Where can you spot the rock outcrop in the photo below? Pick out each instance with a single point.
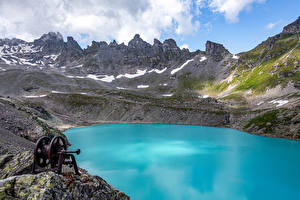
(216, 50)
(16, 159)
(292, 28)
(49, 50)
(49, 185)
(120, 58)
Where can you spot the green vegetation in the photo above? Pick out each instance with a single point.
(236, 97)
(257, 80)
(187, 82)
(264, 121)
(219, 87)
(272, 63)
(77, 100)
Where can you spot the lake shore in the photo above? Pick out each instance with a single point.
(101, 122)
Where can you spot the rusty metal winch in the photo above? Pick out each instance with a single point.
(53, 153)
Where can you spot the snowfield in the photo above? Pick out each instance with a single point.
(279, 102)
(167, 95)
(137, 74)
(36, 96)
(142, 86)
(106, 78)
(181, 67)
(235, 56)
(157, 70)
(203, 58)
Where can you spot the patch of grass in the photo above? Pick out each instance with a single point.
(264, 67)
(262, 121)
(259, 82)
(77, 100)
(220, 87)
(236, 97)
(296, 76)
(189, 82)
(273, 47)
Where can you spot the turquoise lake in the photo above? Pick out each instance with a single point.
(162, 162)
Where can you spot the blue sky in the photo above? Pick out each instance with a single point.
(238, 24)
(253, 27)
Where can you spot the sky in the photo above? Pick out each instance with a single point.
(239, 25)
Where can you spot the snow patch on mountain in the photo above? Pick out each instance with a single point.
(235, 56)
(77, 66)
(137, 74)
(279, 102)
(181, 67)
(57, 92)
(142, 86)
(52, 56)
(157, 70)
(203, 96)
(203, 58)
(167, 95)
(36, 96)
(106, 78)
(121, 88)
(259, 103)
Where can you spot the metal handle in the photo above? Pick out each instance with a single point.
(67, 151)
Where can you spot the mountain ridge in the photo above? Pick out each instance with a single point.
(151, 73)
(50, 85)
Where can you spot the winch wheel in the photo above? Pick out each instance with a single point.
(57, 144)
(40, 154)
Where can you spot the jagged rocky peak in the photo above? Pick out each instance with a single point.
(72, 44)
(103, 44)
(113, 44)
(138, 42)
(218, 51)
(51, 42)
(11, 42)
(292, 28)
(70, 39)
(157, 46)
(51, 36)
(156, 42)
(170, 43)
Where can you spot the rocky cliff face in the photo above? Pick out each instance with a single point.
(216, 50)
(48, 51)
(119, 58)
(49, 185)
(50, 84)
(292, 28)
(16, 159)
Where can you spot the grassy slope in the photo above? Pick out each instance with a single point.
(271, 63)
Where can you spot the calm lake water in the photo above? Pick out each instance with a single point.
(163, 162)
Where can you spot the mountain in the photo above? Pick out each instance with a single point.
(253, 79)
(49, 85)
(272, 64)
(113, 65)
(48, 51)
(292, 28)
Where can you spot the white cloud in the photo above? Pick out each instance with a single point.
(184, 46)
(96, 20)
(231, 8)
(271, 25)
(199, 5)
(88, 20)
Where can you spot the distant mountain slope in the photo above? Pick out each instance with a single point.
(135, 66)
(273, 63)
(160, 83)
